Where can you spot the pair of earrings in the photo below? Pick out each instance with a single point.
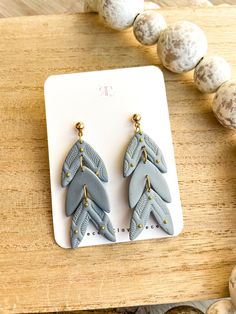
(84, 173)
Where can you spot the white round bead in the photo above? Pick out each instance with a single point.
(119, 14)
(148, 27)
(232, 286)
(211, 73)
(224, 104)
(181, 46)
(222, 307)
(93, 5)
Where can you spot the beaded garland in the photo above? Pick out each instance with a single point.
(181, 47)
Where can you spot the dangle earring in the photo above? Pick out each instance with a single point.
(148, 189)
(83, 172)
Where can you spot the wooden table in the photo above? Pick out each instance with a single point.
(35, 274)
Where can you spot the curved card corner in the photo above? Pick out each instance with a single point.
(157, 70)
(58, 243)
(179, 230)
(47, 82)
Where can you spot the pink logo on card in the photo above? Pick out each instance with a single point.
(106, 91)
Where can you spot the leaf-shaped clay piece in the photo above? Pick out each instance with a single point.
(155, 154)
(79, 225)
(90, 158)
(134, 153)
(94, 187)
(162, 214)
(84, 214)
(140, 216)
(150, 202)
(138, 182)
(101, 221)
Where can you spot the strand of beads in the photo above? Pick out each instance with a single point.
(181, 47)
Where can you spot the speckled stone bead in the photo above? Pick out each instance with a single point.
(221, 307)
(181, 46)
(232, 286)
(119, 14)
(184, 309)
(148, 27)
(224, 104)
(211, 73)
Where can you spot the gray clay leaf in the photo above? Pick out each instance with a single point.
(161, 213)
(134, 153)
(132, 156)
(140, 217)
(155, 154)
(101, 221)
(95, 189)
(79, 225)
(82, 216)
(138, 182)
(90, 158)
(149, 203)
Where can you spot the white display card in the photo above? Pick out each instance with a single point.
(105, 102)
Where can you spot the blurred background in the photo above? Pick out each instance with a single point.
(9, 8)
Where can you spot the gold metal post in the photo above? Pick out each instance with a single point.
(136, 119)
(80, 127)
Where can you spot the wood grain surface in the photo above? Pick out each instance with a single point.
(37, 275)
